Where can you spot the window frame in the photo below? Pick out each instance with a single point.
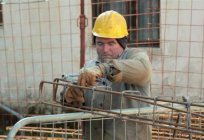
(133, 15)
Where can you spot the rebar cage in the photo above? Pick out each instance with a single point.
(169, 118)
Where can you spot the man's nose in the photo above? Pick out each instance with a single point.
(105, 47)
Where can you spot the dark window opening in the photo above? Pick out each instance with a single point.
(142, 16)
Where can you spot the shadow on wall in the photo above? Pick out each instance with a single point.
(6, 119)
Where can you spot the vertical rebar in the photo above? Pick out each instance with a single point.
(82, 35)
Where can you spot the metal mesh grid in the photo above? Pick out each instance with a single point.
(170, 119)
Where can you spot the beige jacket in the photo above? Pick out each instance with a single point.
(135, 74)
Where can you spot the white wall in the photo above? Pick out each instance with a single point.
(38, 41)
(179, 63)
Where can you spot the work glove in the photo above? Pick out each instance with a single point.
(74, 97)
(88, 76)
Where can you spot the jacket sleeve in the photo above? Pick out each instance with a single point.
(136, 69)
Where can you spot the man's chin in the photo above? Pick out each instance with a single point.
(107, 60)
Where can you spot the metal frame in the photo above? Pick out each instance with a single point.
(157, 105)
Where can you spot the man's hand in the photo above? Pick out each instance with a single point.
(88, 76)
(74, 97)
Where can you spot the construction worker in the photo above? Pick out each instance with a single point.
(125, 69)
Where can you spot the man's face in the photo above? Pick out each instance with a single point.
(108, 48)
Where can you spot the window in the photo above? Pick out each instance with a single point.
(142, 16)
(1, 15)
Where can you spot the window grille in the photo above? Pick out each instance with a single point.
(143, 19)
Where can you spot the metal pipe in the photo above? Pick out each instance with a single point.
(47, 118)
(82, 35)
(19, 116)
(84, 115)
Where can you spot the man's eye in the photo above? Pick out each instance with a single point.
(111, 43)
(99, 43)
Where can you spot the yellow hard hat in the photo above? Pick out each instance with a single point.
(110, 24)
